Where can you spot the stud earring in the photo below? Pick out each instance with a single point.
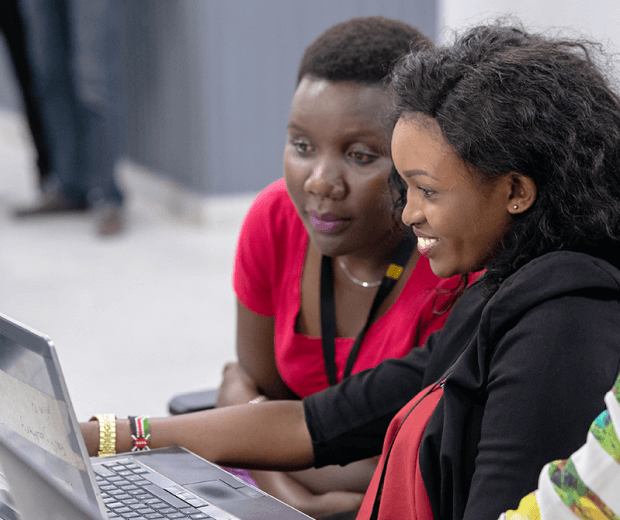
(515, 207)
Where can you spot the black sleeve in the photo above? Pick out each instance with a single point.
(547, 378)
(347, 422)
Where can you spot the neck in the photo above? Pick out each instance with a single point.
(370, 265)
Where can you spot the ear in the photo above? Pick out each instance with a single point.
(522, 194)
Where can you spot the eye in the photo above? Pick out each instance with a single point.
(301, 147)
(363, 157)
(361, 154)
(426, 193)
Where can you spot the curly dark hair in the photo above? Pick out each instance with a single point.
(361, 49)
(510, 101)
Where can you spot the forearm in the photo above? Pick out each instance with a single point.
(348, 422)
(270, 386)
(353, 477)
(287, 489)
(270, 435)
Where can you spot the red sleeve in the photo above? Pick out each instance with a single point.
(256, 250)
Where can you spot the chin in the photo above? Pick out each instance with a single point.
(327, 247)
(443, 271)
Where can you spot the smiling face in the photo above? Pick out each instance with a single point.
(459, 222)
(336, 165)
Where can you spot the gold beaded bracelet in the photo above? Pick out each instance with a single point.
(107, 434)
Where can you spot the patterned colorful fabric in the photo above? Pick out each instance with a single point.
(587, 485)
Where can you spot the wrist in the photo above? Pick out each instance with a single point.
(107, 434)
(258, 399)
(140, 433)
(231, 396)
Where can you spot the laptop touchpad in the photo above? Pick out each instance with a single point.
(215, 491)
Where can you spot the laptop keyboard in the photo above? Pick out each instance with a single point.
(130, 490)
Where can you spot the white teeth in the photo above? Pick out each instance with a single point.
(425, 243)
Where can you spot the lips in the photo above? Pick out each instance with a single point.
(425, 244)
(327, 222)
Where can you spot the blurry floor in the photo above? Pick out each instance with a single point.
(135, 318)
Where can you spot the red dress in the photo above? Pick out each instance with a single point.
(267, 280)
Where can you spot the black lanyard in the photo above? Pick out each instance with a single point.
(328, 307)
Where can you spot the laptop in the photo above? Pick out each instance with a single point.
(47, 473)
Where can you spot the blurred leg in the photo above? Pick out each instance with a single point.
(74, 47)
(11, 25)
(95, 65)
(49, 45)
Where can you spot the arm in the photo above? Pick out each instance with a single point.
(270, 435)
(237, 387)
(255, 347)
(256, 372)
(262, 249)
(348, 422)
(276, 434)
(287, 489)
(255, 350)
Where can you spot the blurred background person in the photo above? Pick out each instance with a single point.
(73, 49)
(12, 28)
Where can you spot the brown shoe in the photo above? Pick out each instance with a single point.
(50, 203)
(109, 220)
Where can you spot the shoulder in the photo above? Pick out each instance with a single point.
(557, 269)
(552, 276)
(274, 198)
(271, 241)
(272, 212)
(560, 310)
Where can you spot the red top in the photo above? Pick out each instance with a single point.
(403, 493)
(267, 280)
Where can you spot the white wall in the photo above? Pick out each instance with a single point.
(596, 19)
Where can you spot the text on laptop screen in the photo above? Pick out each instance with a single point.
(34, 414)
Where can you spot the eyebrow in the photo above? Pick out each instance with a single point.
(414, 173)
(354, 133)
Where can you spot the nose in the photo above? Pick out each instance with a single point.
(326, 180)
(413, 214)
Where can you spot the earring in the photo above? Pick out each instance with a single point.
(515, 207)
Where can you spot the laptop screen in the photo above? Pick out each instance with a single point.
(39, 430)
(35, 414)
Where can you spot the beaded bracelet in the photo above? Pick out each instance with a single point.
(140, 433)
(107, 434)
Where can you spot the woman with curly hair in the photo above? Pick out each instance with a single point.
(509, 145)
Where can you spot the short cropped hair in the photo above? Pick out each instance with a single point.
(510, 101)
(362, 50)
